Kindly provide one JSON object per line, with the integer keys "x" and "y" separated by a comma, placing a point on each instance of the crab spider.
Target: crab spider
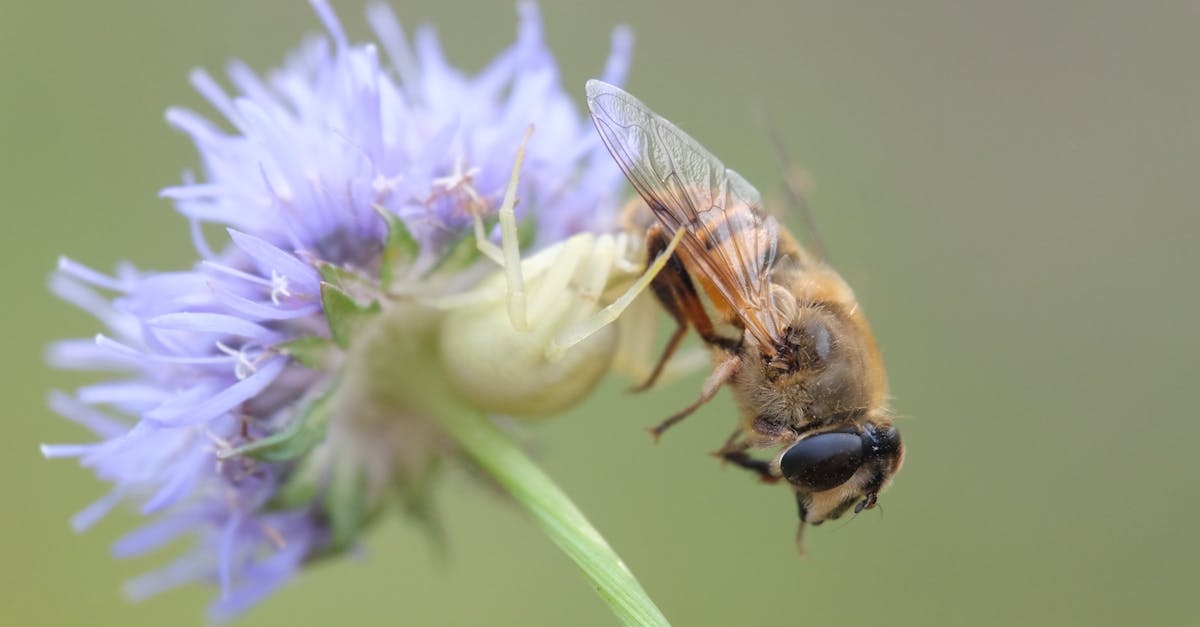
{"x": 538, "y": 336}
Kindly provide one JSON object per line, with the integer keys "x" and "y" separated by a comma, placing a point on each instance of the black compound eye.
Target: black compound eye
{"x": 823, "y": 461}
{"x": 886, "y": 441}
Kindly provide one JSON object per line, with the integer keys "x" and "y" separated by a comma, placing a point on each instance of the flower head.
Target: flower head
{"x": 240, "y": 413}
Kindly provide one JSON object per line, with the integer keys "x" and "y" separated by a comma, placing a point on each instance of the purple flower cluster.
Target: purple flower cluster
{"x": 215, "y": 423}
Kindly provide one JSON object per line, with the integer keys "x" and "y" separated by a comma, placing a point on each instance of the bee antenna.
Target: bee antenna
{"x": 794, "y": 184}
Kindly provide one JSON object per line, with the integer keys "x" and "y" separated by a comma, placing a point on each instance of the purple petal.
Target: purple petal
{"x": 221, "y": 269}
{"x": 387, "y": 30}
{"x": 248, "y": 82}
{"x": 85, "y": 298}
{"x": 156, "y": 534}
{"x": 87, "y": 275}
{"x": 261, "y": 579}
{"x": 83, "y": 354}
{"x": 225, "y": 554}
{"x": 616, "y": 68}
{"x": 186, "y": 569}
{"x": 100, "y": 508}
{"x": 265, "y": 310}
{"x": 56, "y": 451}
{"x": 203, "y": 82}
{"x": 269, "y": 258}
{"x": 202, "y": 133}
{"x": 118, "y": 349}
{"x": 329, "y": 18}
{"x": 130, "y": 395}
{"x": 217, "y": 324}
{"x": 80, "y": 413}
{"x": 184, "y": 475}
{"x": 221, "y": 402}
{"x": 199, "y": 241}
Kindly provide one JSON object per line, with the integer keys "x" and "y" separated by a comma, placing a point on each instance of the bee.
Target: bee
{"x": 804, "y": 367}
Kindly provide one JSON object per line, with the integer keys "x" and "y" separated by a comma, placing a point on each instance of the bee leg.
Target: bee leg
{"x": 637, "y": 348}
{"x": 672, "y": 344}
{"x": 720, "y": 376}
{"x": 671, "y": 287}
{"x": 508, "y": 254}
{"x": 731, "y": 443}
{"x": 735, "y": 453}
{"x": 743, "y": 459}
{"x": 583, "y": 329}
{"x": 677, "y": 294}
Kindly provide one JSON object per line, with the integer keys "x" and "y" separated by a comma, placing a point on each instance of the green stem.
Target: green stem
{"x": 554, "y": 512}
{"x": 396, "y": 350}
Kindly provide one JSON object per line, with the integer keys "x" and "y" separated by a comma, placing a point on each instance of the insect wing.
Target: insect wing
{"x": 729, "y": 238}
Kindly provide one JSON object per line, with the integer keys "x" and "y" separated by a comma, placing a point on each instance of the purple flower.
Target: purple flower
{"x": 240, "y": 413}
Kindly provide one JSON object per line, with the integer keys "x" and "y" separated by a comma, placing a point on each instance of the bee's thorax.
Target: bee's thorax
{"x": 822, "y": 371}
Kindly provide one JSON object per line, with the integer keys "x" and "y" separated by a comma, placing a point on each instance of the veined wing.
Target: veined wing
{"x": 728, "y": 238}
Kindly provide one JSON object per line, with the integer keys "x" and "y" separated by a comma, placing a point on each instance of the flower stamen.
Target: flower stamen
{"x": 244, "y": 364}
{"x": 279, "y": 287}
{"x": 220, "y": 445}
{"x": 273, "y": 535}
{"x": 458, "y": 178}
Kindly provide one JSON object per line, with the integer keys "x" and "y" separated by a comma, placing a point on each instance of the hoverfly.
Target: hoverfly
{"x": 804, "y": 367}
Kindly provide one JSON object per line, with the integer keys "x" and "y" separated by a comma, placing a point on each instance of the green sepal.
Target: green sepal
{"x": 341, "y": 494}
{"x": 304, "y": 432}
{"x": 302, "y": 485}
{"x": 345, "y": 503}
{"x": 400, "y": 246}
{"x": 465, "y": 251}
{"x": 459, "y": 255}
{"x": 416, "y": 497}
{"x": 343, "y": 313}
{"x": 344, "y": 278}
{"x": 312, "y": 351}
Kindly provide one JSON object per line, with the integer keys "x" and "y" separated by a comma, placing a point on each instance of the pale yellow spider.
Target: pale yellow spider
{"x": 536, "y": 337}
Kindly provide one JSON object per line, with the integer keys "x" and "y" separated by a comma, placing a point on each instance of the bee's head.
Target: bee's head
{"x": 834, "y": 471}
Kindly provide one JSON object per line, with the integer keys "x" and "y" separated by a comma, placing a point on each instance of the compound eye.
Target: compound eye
{"x": 887, "y": 441}
{"x": 823, "y": 461}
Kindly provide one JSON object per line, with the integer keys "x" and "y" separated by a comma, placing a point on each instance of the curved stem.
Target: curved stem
{"x": 554, "y": 512}
{"x": 397, "y": 351}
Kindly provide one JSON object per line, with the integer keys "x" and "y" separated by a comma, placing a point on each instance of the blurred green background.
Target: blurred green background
{"x": 1010, "y": 187}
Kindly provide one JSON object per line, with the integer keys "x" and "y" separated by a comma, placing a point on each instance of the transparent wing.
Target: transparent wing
{"x": 729, "y": 239}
